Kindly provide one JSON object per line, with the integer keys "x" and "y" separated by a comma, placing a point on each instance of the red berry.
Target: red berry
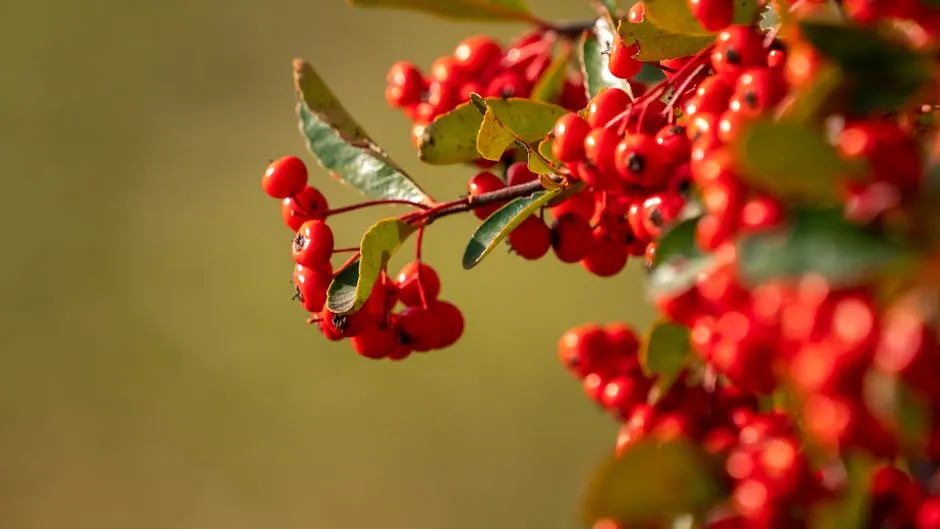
{"x": 642, "y": 161}
{"x": 573, "y": 94}
{"x": 311, "y": 284}
{"x": 623, "y": 339}
{"x": 736, "y": 49}
{"x": 481, "y": 183}
{"x": 622, "y": 394}
{"x": 409, "y": 287}
{"x": 702, "y": 127}
{"x": 713, "y": 15}
{"x": 519, "y": 173}
{"x": 405, "y": 85}
{"x": 607, "y": 258}
{"x": 401, "y": 73}
{"x": 635, "y": 220}
{"x": 285, "y": 177}
{"x": 446, "y": 70}
{"x": 675, "y": 143}
{"x": 803, "y": 64}
{"x": 759, "y": 89}
{"x": 596, "y": 178}
{"x": 313, "y": 244}
{"x": 606, "y": 105}
{"x": 400, "y": 352}
{"x": 637, "y": 13}
{"x": 470, "y": 87}
{"x": 776, "y": 59}
{"x": 600, "y": 146}
{"x": 441, "y": 98}
{"x": 451, "y": 321}
{"x": 580, "y": 348}
{"x": 477, "y": 53}
{"x": 761, "y": 212}
{"x": 717, "y": 166}
{"x": 622, "y": 64}
{"x": 531, "y": 239}
{"x": 893, "y": 155}
{"x": 730, "y": 125}
{"x": 419, "y": 327}
{"x": 928, "y": 514}
{"x": 659, "y": 211}
{"x": 581, "y": 204}
{"x": 347, "y": 325}
{"x": 572, "y": 238}
{"x": 508, "y": 84}
{"x": 307, "y": 205}
{"x": 569, "y": 134}
{"x": 375, "y": 342}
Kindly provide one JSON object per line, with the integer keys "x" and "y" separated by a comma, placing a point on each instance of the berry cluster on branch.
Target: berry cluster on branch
{"x": 773, "y": 165}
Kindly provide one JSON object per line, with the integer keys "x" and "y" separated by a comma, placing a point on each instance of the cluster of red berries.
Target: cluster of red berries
{"x": 637, "y": 158}
{"x": 478, "y": 65}
{"x": 771, "y": 477}
{"x": 377, "y": 330}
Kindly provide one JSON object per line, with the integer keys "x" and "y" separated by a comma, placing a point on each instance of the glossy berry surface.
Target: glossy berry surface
{"x": 285, "y": 177}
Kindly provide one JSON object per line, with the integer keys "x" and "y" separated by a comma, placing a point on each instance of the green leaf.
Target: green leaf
{"x": 651, "y": 482}
{"x": 498, "y": 225}
{"x": 537, "y": 163}
{"x": 529, "y": 120}
{"x": 594, "y": 55}
{"x": 674, "y": 16}
{"x": 848, "y": 510}
{"x": 649, "y": 75}
{"x": 666, "y": 351}
{"x": 352, "y": 285}
{"x": 678, "y": 260}
{"x": 657, "y": 44}
{"x": 451, "y": 138}
{"x": 490, "y": 10}
{"x": 342, "y": 146}
{"x": 493, "y": 138}
{"x": 551, "y": 84}
{"x": 881, "y": 74}
{"x": 818, "y": 241}
{"x": 792, "y": 160}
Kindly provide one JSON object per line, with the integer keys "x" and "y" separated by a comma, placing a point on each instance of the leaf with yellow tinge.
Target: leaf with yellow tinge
{"x": 493, "y": 138}
{"x": 674, "y": 16}
{"x": 352, "y": 285}
{"x": 656, "y": 44}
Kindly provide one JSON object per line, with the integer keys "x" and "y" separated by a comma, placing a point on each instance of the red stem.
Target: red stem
{"x": 373, "y": 203}
{"x": 346, "y": 250}
{"x": 418, "y": 245}
{"x": 670, "y": 108}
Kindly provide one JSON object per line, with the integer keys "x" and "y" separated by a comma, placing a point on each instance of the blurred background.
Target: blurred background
{"x": 156, "y": 373}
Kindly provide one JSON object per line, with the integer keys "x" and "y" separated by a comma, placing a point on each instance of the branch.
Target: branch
{"x": 477, "y": 201}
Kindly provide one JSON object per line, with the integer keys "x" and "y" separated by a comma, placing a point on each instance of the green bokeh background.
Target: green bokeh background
{"x": 156, "y": 374}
